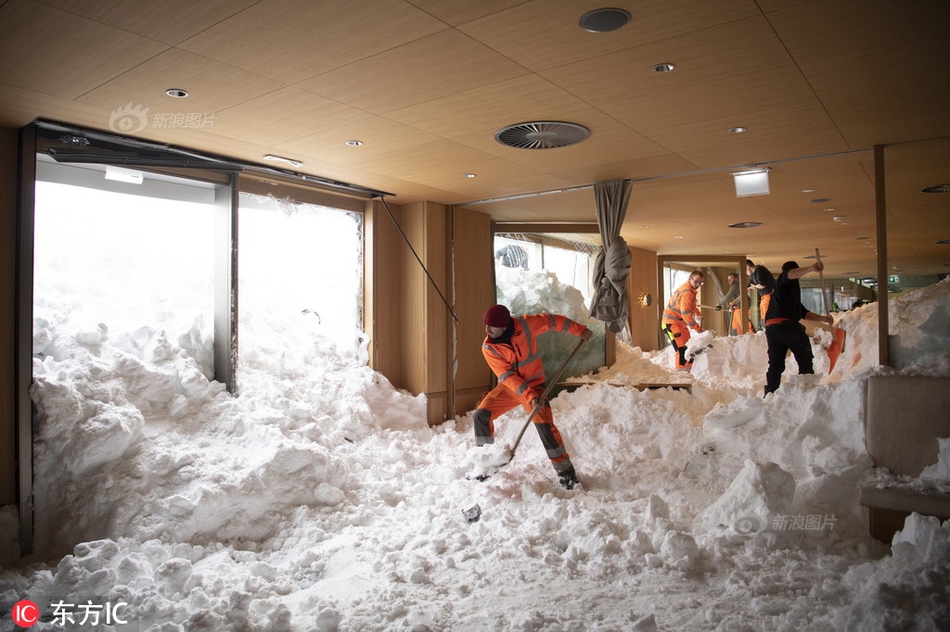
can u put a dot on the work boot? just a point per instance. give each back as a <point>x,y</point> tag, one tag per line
<point>567,478</point>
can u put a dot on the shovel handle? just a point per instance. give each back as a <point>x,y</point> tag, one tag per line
<point>547,391</point>
<point>824,292</point>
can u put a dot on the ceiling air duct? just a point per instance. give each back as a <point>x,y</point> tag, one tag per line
<point>542,135</point>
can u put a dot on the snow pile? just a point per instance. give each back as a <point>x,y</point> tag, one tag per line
<point>319,499</point>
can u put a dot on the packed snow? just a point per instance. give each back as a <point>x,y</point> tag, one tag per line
<point>319,498</point>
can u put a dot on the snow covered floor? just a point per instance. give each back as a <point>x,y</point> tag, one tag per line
<point>320,500</point>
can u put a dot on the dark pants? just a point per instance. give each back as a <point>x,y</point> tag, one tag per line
<point>782,338</point>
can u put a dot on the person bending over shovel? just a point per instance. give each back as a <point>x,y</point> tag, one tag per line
<point>783,331</point>
<point>511,351</point>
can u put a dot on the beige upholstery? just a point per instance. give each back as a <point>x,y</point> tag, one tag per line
<point>905,417</point>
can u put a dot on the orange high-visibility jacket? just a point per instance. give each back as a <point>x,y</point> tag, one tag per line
<point>682,307</point>
<point>517,365</point>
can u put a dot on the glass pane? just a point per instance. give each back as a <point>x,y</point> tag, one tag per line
<point>531,278</point>
<point>300,273</point>
<point>127,267</point>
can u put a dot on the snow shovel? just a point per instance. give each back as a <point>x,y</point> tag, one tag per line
<point>837,335</point>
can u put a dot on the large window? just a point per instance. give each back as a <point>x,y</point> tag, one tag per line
<point>300,279</point>
<point>121,261</point>
<point>551,274</point>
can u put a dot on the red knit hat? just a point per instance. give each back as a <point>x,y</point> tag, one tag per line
<point>497,316</point>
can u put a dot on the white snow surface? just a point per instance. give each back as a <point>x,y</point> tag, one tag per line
<point>319,498</point>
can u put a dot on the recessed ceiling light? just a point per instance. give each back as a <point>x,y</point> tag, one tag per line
<point>664,68</point>
<point>943,241</point>
<point>838,218</point>
<point>821,201</point>
<point>289,161</point>
<point>354,143</point>
<point>845,223</point>
<point>808,190</point>
<point>937,188</point>
<point>737,130</point>
<point>678,237</point>
<point>604,20</point>
<point>177,93</point>
<point>745,225</point>
<point>646,226</point>
<point>469,175</point>
<point>829,210</point>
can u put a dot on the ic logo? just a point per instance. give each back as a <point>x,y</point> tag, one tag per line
<point>25,613</point>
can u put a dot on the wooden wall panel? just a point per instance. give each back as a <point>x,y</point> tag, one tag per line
<point>383,287</point>
<point>8,231</point>
<point>644,321</point>
<point>474,287</point>
<point>411,300</point>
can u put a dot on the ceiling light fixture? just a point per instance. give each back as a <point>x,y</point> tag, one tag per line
<point>120,174</point>
<point>604,20</point>
<point>821,201</point>
<point>354,143</point>
<point>289,161</point>
<point>936,188</point>
<point>664,68</point>
<point>177,93</point>
<point>737,130</point>
<point>943,241</point>
<point>469,175</point>
<point>752,182</point>
<point>808,190</point>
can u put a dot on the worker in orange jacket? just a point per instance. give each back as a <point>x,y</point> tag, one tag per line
<point>511,351</point>
<point>682,314</point>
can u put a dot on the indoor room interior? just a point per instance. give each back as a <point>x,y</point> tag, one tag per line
<point>447,124</point>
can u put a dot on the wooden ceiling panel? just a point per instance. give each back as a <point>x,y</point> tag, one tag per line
<point>457,12</point>
<point>701,58</point>
<point>293,40</point>
<point>444,164</point>
<point>57,53</point>
<point>680,120</point>
<point>212,87</point>
<point>282,115</point>
<point>439,65</point>
<point>170,21</point>
<point>380,137</point>
<point>486,110</point>
<point>555,38</point>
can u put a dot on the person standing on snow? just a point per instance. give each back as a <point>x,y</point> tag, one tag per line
<point>511,351</point>
<point>761,279</point>
<point>783,331</point>
<point>681,315</point>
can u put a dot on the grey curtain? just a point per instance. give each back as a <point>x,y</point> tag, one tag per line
<point>612,265</point>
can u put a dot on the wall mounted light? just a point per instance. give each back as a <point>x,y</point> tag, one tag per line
<point>752,182</point>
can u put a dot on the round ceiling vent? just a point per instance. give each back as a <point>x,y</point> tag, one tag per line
<point>604,20</point>
<point>542,135</point>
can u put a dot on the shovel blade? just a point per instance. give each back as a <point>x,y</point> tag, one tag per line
<point>835,348</point>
